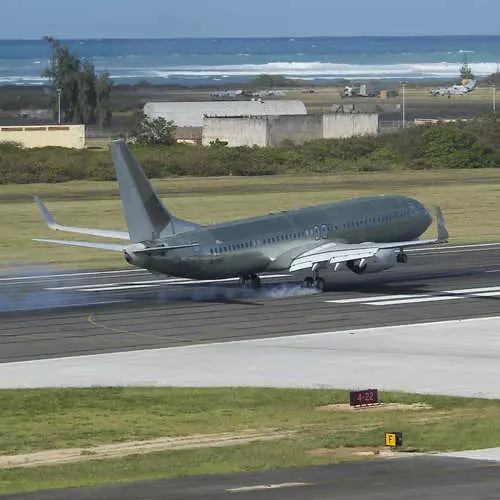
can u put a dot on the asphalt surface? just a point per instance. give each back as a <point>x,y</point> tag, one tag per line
<point>409,478</point>
<point>47,315</point>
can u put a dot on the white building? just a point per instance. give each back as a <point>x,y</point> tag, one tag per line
<point>190,114</point>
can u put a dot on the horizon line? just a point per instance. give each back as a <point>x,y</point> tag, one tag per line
<point>254,37</point>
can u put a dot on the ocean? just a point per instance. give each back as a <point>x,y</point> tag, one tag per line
<point>215,61</point>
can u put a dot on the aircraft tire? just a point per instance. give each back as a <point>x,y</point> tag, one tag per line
<point>319,284</point>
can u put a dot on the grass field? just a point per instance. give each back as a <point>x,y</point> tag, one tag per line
<point>35,420</point>
<point>469,198</point>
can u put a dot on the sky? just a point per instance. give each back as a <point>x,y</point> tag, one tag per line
<point>68,19</point>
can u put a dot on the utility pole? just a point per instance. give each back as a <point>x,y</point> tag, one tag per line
<point>403,111</point>
<point>59,92</point>
<point>494,97</point>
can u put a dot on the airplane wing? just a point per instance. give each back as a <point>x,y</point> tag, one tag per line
<point>333,253</point>
<point>51,222</point>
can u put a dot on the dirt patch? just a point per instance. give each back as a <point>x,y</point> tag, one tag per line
<point>107,451</point>
<point>345,407</point>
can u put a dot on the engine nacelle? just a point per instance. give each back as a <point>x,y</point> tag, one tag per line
<point>133,258</point>
<point>382,260</point>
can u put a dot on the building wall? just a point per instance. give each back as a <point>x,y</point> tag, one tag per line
<point>190,114</point>
<point>34,136</point>
<point>336,125</point>
<point>242,131</point>
<point>297,129</point>
<point>273,130</point>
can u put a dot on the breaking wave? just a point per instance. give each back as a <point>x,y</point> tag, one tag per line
<point>297,70</point>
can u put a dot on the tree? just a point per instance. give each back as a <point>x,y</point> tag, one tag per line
<point>153,131</point>
<point>85,97</point>
<point>103,94</point>
<point>466,70</point>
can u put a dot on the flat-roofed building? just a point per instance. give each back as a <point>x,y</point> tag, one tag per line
<point>40,136</point>
<point>191,114</point>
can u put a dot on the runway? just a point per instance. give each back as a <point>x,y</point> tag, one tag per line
<point>57,314</point>
<point>121,316</point>
<point>410,478</point>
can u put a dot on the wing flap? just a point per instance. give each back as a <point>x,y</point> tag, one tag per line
<point>51,222</point>
<point>328,254</point>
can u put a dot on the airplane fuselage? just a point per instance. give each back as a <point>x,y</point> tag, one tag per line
<point>271,242</point>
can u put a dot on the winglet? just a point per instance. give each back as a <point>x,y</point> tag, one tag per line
<point>47,216</point>
<point>443,234</point>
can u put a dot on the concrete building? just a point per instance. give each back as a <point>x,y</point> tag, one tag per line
<point>190,114</point>
<point>272,130</point>
<point>40,136</point>
<point>337,125</point>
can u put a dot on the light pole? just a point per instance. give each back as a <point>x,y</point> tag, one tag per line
<point>494,98</point>
<point>403,111</point>
<point>59,92</point>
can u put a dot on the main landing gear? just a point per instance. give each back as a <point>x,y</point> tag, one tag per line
<point>402,258</point>
<point>315,281</point>
<point>249,281</point>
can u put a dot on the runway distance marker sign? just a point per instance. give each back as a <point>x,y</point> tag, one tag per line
<point>394,439</point>
<point>365,397</point>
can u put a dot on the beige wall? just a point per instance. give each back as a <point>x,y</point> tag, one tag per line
<point>336,125</point>
<point>272,130</point>
<point>236,131</point>
<point>39,136</point>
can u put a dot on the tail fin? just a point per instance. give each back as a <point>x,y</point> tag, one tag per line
<point>146,216</point>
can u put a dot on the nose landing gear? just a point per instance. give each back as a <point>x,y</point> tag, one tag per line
<point>402,258</point>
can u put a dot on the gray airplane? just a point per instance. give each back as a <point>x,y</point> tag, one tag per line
<point>364,235</point>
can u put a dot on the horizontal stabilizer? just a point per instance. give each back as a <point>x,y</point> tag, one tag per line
<point>113,247</point>
<point>51,222</point>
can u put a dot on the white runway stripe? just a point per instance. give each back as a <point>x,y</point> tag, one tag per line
<point>435,299</point>
<point>108,287</point>
<point>72,275</point>
<point>391,300</point>
<point>360,300</point>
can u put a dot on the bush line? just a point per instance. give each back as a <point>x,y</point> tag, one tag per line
<point>471,145</point>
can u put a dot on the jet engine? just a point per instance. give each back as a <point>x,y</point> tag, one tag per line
<point>133,258</point>
<point>382,260</point>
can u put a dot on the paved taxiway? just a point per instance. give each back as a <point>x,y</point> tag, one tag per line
<point>410,478</point>
<point>47,315</point>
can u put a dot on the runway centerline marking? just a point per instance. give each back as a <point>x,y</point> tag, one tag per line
<point>260,487</point>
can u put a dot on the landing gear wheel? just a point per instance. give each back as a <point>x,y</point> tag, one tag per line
<point>319,284</point>
<point>249,281</point>
<point>402,258</point>
<point>255,281</point>
<point>308,283</point>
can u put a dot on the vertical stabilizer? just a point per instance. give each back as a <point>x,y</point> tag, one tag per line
<point>146,216</point>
